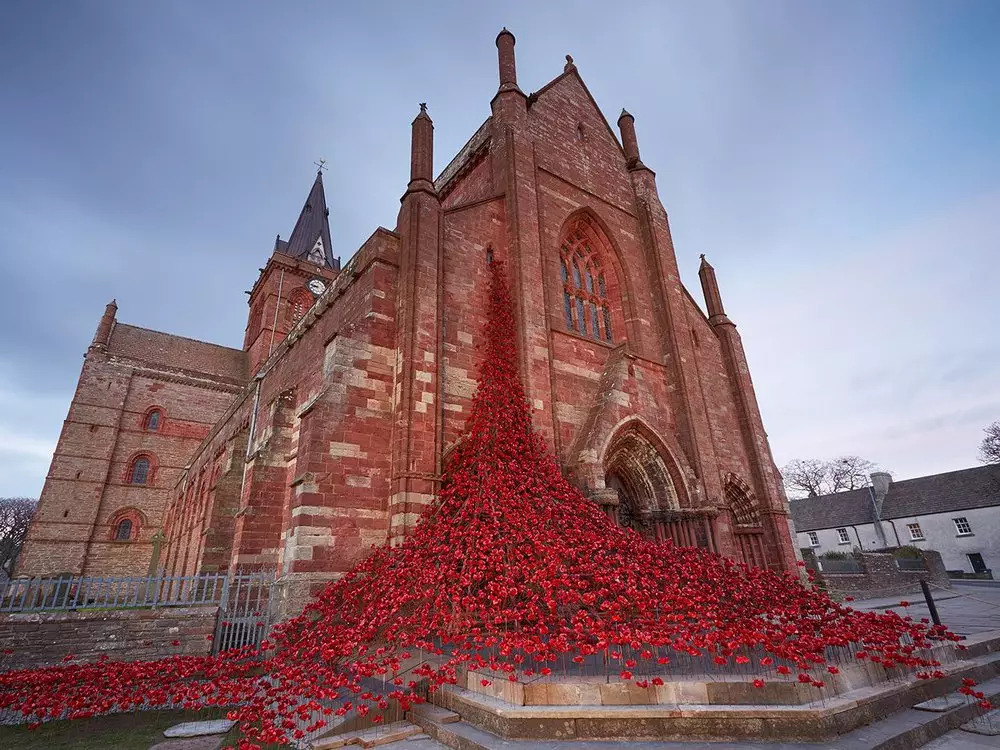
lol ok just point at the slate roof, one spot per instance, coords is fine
(978, 487)
(313, 223)
(179, 353)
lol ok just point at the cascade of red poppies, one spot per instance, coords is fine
(512, 572)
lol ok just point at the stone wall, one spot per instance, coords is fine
(880, 575)
(35, 639)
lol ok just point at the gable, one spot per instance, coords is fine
(574, 141)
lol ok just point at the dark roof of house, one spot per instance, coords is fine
(313, 224)
(952, 491)
(180, 353)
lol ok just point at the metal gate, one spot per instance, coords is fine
(244, 611)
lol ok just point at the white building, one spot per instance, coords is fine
(957, 514)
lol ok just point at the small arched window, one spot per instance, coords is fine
(123, 530)
(139, 471)
(299, 303)
(153, 421)
(585, 299)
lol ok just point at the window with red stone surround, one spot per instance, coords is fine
(125, 525)
(586, 307)
(141, 469)
(152, 420)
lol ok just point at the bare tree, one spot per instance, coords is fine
(805, 477)
(811, 477)
(989, 449)
(15, 516)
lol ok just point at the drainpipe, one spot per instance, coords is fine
(253, 415)
(895, 533)
(860, 545)
(879, 531)
(277, 307)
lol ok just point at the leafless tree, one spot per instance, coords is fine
(811, 477)
(989, 449)
(15, 515)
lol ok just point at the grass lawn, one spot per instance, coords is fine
(133, 731)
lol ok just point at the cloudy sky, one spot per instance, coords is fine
(838, 162)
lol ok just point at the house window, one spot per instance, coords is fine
(844, 538)
(139, 471)
(153, 421)
(585, 298)
(813, 539)
(916, 533)
(962, 527)
(123, 531)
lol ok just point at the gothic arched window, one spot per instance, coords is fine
(585, 298)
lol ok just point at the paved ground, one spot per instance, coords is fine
(959, 740)
(966, 609)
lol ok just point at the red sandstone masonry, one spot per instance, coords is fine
(357, 404)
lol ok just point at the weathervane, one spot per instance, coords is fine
(321, 164)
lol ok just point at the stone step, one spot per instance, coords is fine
(399, 730)
(902, 731)
(430, 712)
(856, 719)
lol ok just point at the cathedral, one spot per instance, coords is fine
(328, 431)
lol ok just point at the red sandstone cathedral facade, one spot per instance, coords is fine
(328, 431)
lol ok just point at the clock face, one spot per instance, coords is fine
(316, 286)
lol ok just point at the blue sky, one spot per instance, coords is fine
(838, 162)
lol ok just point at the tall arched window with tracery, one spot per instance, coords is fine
(585, 289)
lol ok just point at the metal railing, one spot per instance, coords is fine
(80, 593)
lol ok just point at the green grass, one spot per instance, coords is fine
(132, 731)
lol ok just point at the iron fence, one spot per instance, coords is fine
(121, 592)
(244, 612)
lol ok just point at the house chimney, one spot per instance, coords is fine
(880, 485)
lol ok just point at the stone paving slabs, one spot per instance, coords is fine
(212, 742)
(199, 728)
(966, 609)
(988, 724)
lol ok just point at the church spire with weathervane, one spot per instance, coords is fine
(310, 239)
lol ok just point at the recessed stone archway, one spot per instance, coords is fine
(639, 474)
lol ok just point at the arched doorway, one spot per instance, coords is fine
(636, 470)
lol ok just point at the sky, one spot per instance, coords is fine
(839, 163)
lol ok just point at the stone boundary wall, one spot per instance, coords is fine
(39, 639)
(880, 576)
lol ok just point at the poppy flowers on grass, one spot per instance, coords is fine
(512, 570)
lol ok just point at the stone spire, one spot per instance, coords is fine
(421, 152)
(630, 144)
(508, 68)
(710, 288)
(104, 327)
(310, 240)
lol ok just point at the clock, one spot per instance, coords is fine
(316, 286)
